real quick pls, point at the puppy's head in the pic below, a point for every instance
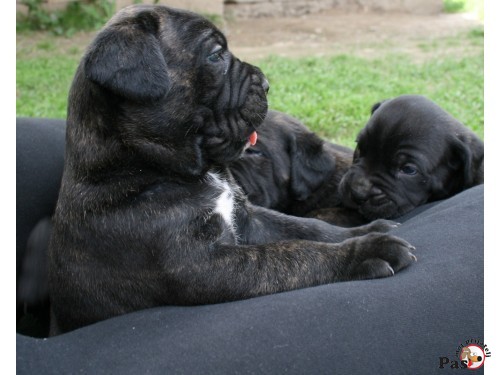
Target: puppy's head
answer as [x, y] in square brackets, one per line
[162, 84]
[410, 152]
[287, 164]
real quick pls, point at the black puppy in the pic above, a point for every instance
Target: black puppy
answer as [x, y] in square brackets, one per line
[291, 169]
[148, 214]
[410, 152]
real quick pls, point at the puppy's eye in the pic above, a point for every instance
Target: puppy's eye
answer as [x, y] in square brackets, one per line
[408, 169]
[216, 56]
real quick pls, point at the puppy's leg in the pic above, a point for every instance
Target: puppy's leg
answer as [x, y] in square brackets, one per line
[238, 272]
[341, 216]
[261, 225]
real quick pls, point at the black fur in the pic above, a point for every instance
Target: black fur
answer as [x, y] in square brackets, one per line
[410, 152]
[140, 220]
[294, 171]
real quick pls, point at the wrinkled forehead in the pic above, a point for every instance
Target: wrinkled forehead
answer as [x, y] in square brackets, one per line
[170, 24]
[413, 121]
[189, 26]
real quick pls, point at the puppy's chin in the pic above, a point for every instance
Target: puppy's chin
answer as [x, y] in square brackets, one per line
[227, 138]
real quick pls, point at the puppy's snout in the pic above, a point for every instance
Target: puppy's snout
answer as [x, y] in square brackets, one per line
[360, 189]
[376, 195]
[263, 80]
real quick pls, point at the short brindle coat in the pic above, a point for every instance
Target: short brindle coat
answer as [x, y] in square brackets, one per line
[148, 213]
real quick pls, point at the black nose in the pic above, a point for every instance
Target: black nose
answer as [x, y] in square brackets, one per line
[479, 358]
[265, 85]
[360, 189]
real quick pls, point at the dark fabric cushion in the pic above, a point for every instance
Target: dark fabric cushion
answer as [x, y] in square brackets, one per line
[39, 165]
[397, 325]
[40, 145]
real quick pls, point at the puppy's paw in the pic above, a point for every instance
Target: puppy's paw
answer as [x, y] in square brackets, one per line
[379, 225]
[378, 255]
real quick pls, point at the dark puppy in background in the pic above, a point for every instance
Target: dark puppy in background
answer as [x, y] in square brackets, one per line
[148, 213]
[294, 171]
[409, 153]
[291, 169]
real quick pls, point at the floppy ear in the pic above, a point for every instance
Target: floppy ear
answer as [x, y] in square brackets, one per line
[310, 165]
[462, 168]
[376, 106]
[127, 60]
[468, 150]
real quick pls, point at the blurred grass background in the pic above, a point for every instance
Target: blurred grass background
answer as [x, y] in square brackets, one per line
[332, 95]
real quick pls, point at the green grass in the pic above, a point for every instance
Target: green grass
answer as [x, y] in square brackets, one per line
[332, 95]
[460, 6]
[76, 16]
[43, 84]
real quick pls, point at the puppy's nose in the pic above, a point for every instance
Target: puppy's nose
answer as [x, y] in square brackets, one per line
[265, 85]
[360, 189]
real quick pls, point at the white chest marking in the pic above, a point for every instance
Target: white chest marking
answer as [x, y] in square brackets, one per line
[224, 204]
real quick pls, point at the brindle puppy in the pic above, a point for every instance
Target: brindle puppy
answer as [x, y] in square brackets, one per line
[148, 213]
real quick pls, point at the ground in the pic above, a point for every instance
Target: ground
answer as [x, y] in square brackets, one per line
[334, 32]
[326, 33]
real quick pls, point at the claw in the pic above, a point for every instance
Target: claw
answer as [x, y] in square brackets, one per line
[390, 269]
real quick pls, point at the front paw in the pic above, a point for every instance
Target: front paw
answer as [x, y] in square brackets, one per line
[339, 216]
[377, 255]
[379, 226]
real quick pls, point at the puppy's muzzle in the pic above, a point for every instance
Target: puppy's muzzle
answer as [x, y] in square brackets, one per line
[361, 189]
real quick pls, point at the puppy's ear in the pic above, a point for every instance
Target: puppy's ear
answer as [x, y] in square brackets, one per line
[310, 164]
[127, 60]
[468, 159]
[376, 106]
